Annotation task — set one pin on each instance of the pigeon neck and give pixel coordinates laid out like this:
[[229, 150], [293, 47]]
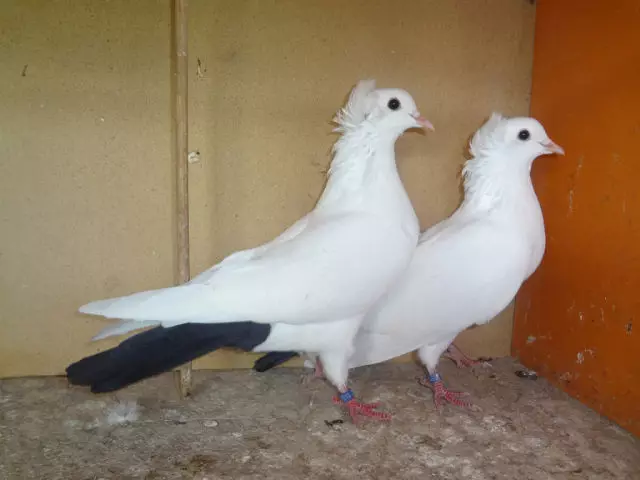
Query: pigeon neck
[[363, 164], [490, 182], [362, 152]]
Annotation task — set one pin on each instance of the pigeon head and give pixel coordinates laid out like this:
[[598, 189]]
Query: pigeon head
[[389, 110], [394, 110], [520, 137]]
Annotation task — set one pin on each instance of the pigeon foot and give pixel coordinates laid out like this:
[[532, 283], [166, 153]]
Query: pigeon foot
[[461, 360], [442, 395], [358, 409]]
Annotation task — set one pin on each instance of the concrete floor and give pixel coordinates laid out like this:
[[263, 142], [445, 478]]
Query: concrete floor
[[244, 425]]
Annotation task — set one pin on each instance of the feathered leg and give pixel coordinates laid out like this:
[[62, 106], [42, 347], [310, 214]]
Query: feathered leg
[[318, 371]]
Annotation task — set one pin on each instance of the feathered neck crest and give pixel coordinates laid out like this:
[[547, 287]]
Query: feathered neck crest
[[358, 134], [488, 137], [488, 179], [359, 105]]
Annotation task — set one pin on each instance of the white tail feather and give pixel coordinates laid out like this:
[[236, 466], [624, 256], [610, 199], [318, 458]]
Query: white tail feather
[[186, 303]]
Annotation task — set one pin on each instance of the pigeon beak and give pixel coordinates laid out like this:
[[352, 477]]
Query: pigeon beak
[[422, 122], [553, 147]]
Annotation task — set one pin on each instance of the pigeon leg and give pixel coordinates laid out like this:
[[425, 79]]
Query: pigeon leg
[[318, 372], [335, 370], [429, 355], [461, 360]]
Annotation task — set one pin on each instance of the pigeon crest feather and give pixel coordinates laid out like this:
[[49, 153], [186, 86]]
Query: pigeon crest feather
[[358, 107], [489, 136]]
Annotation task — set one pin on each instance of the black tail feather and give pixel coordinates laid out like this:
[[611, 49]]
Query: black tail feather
[[272, 360], [159, 350]]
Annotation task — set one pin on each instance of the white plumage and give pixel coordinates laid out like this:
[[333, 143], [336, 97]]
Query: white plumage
[[467, 268], [314, 283]]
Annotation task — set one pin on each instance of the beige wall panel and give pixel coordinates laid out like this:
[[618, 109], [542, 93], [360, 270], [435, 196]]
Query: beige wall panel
[[85, 173], [86, 179]]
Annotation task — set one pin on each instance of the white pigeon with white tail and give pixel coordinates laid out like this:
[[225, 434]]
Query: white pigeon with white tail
[[307, 290], [469, 267]]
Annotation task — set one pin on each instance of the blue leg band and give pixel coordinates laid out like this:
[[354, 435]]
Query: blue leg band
[[347, 396]]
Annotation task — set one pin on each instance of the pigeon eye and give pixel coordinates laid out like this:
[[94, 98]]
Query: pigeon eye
[[524, 135], [394, 104]]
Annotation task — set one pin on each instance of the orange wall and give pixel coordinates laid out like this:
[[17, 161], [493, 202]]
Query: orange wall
[[577, 320]]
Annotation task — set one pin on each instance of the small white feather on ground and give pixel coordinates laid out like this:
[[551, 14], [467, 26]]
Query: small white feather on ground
[[123, 412]]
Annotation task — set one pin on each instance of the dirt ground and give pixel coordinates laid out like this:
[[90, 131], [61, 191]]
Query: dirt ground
[[245, 425]]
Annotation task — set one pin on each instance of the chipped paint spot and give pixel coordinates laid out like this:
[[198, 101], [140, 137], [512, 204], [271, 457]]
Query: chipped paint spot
[[531, 339], [193, 157], [581, 316], [574, 178], [200, 70], [602, 315], [566, 377], [580, 356], [570, 203]]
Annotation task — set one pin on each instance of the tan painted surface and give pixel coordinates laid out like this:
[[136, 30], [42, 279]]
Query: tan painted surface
[[85, 172], [577, 319], [86, 178]]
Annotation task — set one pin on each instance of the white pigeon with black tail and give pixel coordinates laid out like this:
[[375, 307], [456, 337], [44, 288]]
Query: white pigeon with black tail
[[307, 290]]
